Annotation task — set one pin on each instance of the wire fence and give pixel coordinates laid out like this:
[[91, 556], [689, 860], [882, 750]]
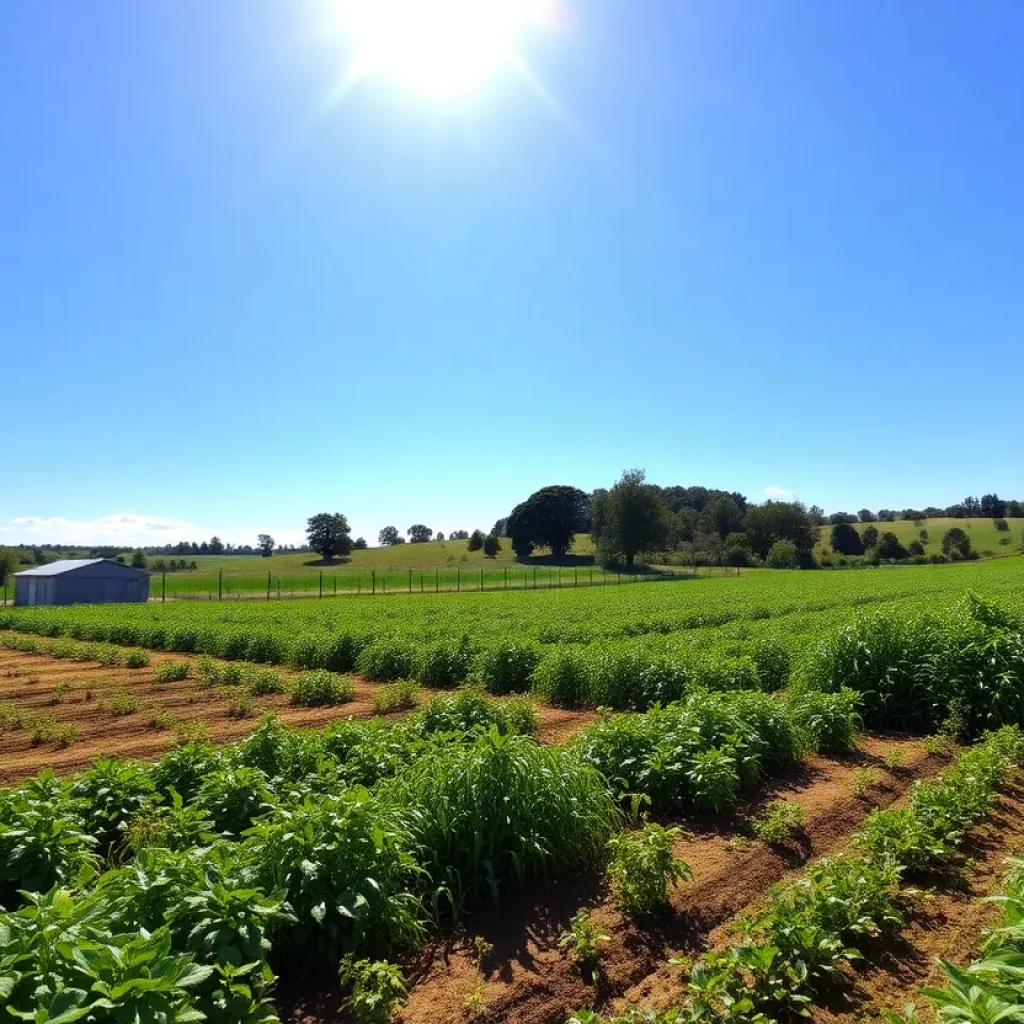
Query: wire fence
[[239, 585]]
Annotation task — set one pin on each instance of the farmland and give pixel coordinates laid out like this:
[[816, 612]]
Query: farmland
[[513, 854]]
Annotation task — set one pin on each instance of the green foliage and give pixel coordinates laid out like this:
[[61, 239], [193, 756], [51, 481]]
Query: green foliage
[[778, 822], [386, 660], [956, 543], [500, 812], [630, 519], [375, 987], [171, 671], [549, 518], [400, 696], [319, 688], [508, 666], [108, 796], [329, 535], [583, 940], [136, 658], [643, 867], [846, 540], [232, 797], [783, 554], [446, 664]]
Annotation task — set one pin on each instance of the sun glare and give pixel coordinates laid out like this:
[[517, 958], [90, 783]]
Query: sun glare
[[439, 48]]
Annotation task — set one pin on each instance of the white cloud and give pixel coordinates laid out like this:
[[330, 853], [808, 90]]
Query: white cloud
[[775, 491], [130, 529]]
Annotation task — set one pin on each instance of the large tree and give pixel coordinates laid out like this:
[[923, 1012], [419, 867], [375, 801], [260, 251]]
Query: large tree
[[630, 518], [846, 540], [549, 518], [779, 520], [329, 535], [388, 536], [419, 534], [266, 544]]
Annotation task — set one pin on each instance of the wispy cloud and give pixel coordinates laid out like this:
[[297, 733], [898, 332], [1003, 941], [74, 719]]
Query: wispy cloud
[[775, 491], [132, 529]]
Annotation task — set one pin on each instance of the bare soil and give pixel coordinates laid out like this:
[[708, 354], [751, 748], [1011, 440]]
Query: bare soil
[[28, 681]]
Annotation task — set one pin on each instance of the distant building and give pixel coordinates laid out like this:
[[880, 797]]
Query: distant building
[[81, 581]]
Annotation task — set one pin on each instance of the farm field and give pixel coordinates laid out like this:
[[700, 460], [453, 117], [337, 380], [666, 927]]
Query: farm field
[[444, 639], [515, 857]]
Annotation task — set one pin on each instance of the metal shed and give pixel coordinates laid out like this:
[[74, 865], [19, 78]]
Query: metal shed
[[81, 581]]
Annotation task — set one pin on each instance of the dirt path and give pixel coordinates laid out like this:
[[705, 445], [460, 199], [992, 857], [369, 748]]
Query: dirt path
[[85, 692], [525, 977]]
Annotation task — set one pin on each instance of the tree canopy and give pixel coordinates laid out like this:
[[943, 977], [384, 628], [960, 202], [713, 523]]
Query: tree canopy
[[549, 518], [419, 534], [388, 536], [329, 534], [630, 518], [779, 520], [266, 544], [846, 540]]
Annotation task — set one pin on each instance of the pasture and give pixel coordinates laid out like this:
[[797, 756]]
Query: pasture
[[632, 817]]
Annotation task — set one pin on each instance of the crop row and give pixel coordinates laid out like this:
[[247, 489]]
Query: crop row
[[962, 670], [296, 848], [992, 987], [812, 927]]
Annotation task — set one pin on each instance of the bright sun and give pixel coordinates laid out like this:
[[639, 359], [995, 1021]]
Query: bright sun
[[439, 48]]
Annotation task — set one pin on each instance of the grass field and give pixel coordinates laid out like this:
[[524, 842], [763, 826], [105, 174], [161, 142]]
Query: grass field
[[985, 538]]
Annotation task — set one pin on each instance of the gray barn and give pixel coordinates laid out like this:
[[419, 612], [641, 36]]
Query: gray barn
[[81, 581]]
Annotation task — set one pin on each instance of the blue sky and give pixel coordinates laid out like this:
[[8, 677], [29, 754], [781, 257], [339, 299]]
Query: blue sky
[[750, 245]]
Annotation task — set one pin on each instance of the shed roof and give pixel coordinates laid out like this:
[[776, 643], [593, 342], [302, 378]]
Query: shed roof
[[72, 564]]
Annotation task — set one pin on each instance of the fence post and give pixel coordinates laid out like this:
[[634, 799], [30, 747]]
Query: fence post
[[481, 579], [163, 589], [220, 584], [335, 584], [373, 581], [458, 580], [410, 581], [535, 577], [268, 586], [321, 584], [506, 577], [437, 581]]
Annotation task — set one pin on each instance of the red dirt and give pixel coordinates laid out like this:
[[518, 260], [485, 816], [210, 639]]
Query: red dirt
[[947, 923], [27, 682], [525, 977]]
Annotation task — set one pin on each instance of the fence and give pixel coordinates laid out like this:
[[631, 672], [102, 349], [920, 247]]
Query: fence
[[234, 585]]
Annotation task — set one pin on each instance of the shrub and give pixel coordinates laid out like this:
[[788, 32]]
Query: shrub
[[643, 867], [956, 543], [136, 658], [386, 660], [319, 687], [259, 682], [508, 666], [783, 554], [778, 822], [771, 661], [445, 665], [470, 710], [889, 546], [563, 677], [171, 671], [400, 696], [375, 987], [232, 797]]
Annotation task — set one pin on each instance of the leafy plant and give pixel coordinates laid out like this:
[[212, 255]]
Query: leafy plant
[[778, 822], [319, 687], [643, 866], [583, 939], [400, 696], [375, 987], [171, 671]]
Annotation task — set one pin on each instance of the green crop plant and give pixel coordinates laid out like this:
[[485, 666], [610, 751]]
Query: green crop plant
[[386, 660], [863, 780], [136, 658], [583, 940], [121, 702], [643, 867], [444, 665], [319, 687], [375, 988], [507, 666], [171, 671], [393, 697], [778, 823], [232, 797], [47, 729], [501, 811]]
